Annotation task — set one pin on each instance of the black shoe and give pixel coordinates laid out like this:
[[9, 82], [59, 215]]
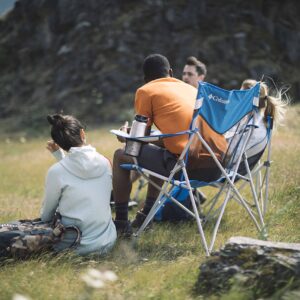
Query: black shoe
[[123, 228], [139, 219], [200, 196]]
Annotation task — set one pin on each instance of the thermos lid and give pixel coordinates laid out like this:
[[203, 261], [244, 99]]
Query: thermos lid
[[141, 118]]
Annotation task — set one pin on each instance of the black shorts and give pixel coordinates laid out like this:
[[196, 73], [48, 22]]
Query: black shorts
[[157, 159], [162, 161]]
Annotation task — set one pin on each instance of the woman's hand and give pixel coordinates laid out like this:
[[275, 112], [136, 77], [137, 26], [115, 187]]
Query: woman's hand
[[52, 146]]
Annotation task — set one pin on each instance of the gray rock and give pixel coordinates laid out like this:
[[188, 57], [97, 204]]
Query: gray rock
[[261, 268], [240, 240], [64, 50]]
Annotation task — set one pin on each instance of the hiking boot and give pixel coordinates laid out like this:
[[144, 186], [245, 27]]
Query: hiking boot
[[123, 228], [139, 219], [131, 204], [200, 197]]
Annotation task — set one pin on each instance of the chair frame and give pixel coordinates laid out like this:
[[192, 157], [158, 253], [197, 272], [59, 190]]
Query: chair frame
[[254, 175], [180, 166]]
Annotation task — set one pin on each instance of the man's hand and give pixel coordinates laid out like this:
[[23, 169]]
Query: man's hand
[[52, 146], [126, 129]]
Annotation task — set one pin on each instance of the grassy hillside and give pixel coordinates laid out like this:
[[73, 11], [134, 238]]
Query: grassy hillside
[[164, 263]]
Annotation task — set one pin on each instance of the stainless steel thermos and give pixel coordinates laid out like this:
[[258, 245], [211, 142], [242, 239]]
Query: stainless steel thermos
[[138, 129]]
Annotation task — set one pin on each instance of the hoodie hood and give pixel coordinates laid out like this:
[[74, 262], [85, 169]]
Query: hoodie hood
[[85, 162]]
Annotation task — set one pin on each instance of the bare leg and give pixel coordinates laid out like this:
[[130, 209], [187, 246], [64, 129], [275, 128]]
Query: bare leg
[[134, 176], [152, 191], [121, 177], [122, 188]]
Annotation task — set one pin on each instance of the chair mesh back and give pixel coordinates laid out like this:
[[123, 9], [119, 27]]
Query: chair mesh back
[[222, 109], [256, 144]]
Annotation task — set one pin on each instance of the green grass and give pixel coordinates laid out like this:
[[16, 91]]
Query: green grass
[[164, 262]]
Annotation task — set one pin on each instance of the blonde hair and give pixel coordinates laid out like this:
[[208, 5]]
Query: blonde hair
[[272, 105]]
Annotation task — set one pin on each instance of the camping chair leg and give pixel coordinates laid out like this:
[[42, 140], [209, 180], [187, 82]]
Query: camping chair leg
[[254, 173], [266, 190], [231, 182], [267, 164], [257, 174], [200, 196], [141, 184], [258, 185], [214, 201], [168, 195], [197, 217], [219, 220], [263, 181], [242, 201], [158, 203], [254, 193]]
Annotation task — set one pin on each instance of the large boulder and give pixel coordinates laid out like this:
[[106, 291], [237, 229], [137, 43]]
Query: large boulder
[[262, 267]]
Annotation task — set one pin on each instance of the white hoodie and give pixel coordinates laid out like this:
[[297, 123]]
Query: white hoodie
[[79, 187]]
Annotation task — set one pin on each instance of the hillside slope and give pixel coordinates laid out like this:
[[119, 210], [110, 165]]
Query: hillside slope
[[84, 57]]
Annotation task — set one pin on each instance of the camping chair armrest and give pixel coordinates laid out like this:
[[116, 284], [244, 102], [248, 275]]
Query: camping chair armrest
[[246, 128], [148, 138], [252, 125]]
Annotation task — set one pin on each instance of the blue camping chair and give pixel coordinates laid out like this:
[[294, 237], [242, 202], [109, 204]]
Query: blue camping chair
[[252, 171], [222, 110]]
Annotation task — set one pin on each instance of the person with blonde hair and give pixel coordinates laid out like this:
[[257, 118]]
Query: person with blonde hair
[[269, 105], [273, 106]]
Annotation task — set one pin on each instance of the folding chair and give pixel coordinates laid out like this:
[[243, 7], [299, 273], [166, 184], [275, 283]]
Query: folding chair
[[251, 171], [260, 169], [221, 109]]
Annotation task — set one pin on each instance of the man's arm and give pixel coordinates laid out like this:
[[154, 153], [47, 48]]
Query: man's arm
[[159, 143], [143, 107]]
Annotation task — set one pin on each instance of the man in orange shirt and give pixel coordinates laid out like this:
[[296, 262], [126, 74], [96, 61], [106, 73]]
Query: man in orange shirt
[[169, 104]]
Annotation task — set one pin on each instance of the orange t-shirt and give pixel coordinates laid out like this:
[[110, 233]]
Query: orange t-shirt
[[199, 156], [169, 104]]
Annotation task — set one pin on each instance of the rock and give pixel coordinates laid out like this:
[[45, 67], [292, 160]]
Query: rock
[[64, 50], [83, 24], [245, 241], [259, 267]]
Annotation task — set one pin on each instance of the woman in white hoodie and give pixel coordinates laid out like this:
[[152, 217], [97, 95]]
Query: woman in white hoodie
[[79, 186]]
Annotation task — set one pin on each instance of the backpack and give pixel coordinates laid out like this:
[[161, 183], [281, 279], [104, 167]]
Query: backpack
[[26, 237], [170, 211]]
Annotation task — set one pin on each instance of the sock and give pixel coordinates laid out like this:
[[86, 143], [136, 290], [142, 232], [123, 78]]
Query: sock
[[121, 211], [148, 205]]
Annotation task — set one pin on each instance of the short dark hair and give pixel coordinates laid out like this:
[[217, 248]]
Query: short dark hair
[[200, 66], [156, 66], [65, 131]]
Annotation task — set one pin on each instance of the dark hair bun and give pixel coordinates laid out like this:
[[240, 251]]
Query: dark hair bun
[[56, 120], [50, 119]]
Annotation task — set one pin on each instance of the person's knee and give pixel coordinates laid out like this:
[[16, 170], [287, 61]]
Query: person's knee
[[120, 157], [119, 153], [156, 180]]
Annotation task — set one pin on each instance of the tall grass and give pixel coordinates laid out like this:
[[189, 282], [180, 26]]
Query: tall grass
[[164, 262]]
